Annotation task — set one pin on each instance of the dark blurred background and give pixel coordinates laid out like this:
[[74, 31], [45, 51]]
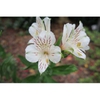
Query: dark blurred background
[[25, 22]]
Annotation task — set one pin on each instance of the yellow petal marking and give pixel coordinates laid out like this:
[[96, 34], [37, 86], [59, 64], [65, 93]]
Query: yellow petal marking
[[79, 44], [79, 54], [47, 60]]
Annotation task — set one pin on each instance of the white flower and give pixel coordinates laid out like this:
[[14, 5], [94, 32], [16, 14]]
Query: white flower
[[42, 47], [36, 28], [43, 50], [75, 40]]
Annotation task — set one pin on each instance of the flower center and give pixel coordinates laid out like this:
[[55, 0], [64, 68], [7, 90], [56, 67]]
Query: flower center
[[46, 53]]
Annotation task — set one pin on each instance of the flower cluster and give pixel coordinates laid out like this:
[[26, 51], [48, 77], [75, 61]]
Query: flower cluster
[[41, 47]]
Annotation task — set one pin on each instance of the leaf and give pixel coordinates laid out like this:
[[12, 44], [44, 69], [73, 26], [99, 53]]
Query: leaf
[[63, 69], [14, 77], [28, 64], [2, 52], [48, 79], [58, 41], [33, 65], [52, 64], [8, 68], [24, 61], [31, 79]]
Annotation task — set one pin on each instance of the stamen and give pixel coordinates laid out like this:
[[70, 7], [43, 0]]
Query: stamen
[[36, 32], [79, 54], [79, 44], [47, 60]]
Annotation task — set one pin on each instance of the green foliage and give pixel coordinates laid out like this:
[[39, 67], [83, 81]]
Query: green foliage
[[93, 58], [24, 61], [27, 63], [31, 79], [96, 66], [2, 52], [86, 80], [7, 67], [63, 69], [95, 78], [46, 77], [58, 41]]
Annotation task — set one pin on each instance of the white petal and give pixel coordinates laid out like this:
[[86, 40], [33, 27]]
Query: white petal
[[78, 53], [84, 41], [49, 37], [30, 41], [32, 54], [35, 25], [32, 31], [43, 64], [37, 28], [80, 27], [40, 23], [67, 31], [86, 48], [81, 35], [55, 54], [47, 23], [53, 39]]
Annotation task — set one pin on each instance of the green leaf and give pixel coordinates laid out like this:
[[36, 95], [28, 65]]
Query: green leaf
[[52, 64], [24, 61], [14, 77], [33, 66], [63, 69], [48, 79], [28, 64], [31, 79], [2, 52], [8, 68], [58, 41]]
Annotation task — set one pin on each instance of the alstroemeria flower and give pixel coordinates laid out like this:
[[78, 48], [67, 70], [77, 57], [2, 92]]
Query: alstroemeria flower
[[36, 28], [75, 40], [42, 49]]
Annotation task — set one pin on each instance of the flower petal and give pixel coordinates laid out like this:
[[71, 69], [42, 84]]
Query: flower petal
[[86, 48], [84, 41], [78, 53], [37, 27], [81, 35], [47, 23], [55, 54], [31, 41], [32, 31], [32, 54], [67, 31], [51, 37], [47, 37], [43, 64], [40, 24], [80, 27]]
